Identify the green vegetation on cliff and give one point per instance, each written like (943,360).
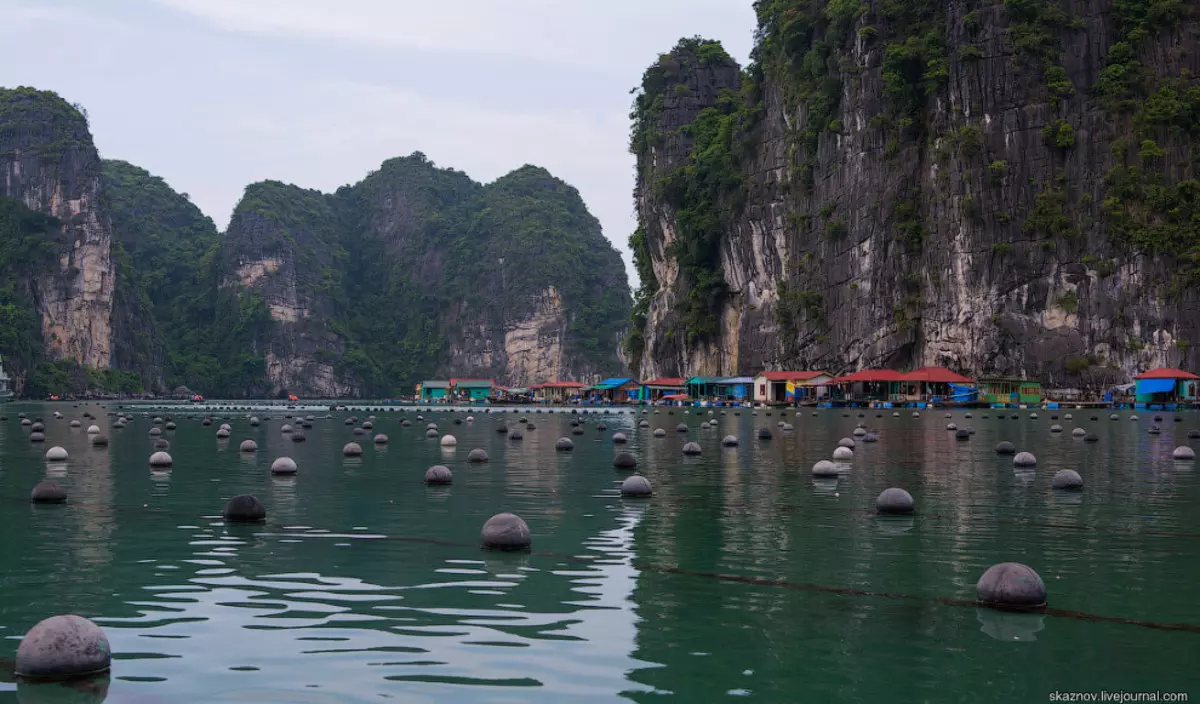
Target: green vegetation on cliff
(29,246)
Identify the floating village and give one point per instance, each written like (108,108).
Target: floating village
(927,387)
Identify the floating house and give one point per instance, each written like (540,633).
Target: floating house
(656,389)
(789,387)
(433,390)
(1166,385)
(867,385)
(556,391)
(614,390)
(936,384)
(1011,391)
(704,387)
(471,389)
(734,389)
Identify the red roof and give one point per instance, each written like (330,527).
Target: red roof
(559,385)
(665,381)
(676,397)
(936,375)
(868,375)
(1166,373)
(791,376)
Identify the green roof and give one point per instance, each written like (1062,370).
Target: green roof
(702,380)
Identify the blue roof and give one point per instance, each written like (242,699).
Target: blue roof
(1155,386)
(698,380)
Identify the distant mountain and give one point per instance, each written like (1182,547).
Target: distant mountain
(120,283)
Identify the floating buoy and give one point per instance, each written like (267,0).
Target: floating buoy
(846,442)
(56,454)
(1184,452)
(99,440)
(438,475)
(692,448)
(1011,585)
(564,445)
(619,439)
(160,459)
(894,501)
(506,531)
(283,465)
(1006,448)
(825,469)
(245,508)
(660,433)
(636,486)
(477,455)
(843,453)
(1067,479)
(729,441)
(764,433)
(63,647)
(625,460)
(1025,459)
(248,446)
(352,449)
(48,492)
(380,439)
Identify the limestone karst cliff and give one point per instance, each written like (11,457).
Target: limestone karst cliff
(114,282)
(999,187)
(49,164)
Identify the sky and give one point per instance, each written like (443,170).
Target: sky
(213,95)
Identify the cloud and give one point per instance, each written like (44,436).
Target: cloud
(215,94)
(582,33)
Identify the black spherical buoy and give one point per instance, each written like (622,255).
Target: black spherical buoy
(352,449)
(894,500)
(564,445)
(729,441)
(48,492)
(1067,479)
(764,433)
(160,460)
(99,441)
(37,437)
(245,508)
(619,439)
(636,486)
(577,431)
(1011,585)
(660,433)
(962,434)
(63,647)
(516,434)
(505,531)
(692,448)
(298,436)
(681,428)
(1006,448)
(438,475)
(477,455)
(625,460)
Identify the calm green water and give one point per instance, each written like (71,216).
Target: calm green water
(366,585)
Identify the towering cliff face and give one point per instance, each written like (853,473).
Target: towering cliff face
(995,187)
(48,163)
(279,254)
(418,272)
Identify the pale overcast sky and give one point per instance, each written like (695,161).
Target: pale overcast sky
(213,95)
